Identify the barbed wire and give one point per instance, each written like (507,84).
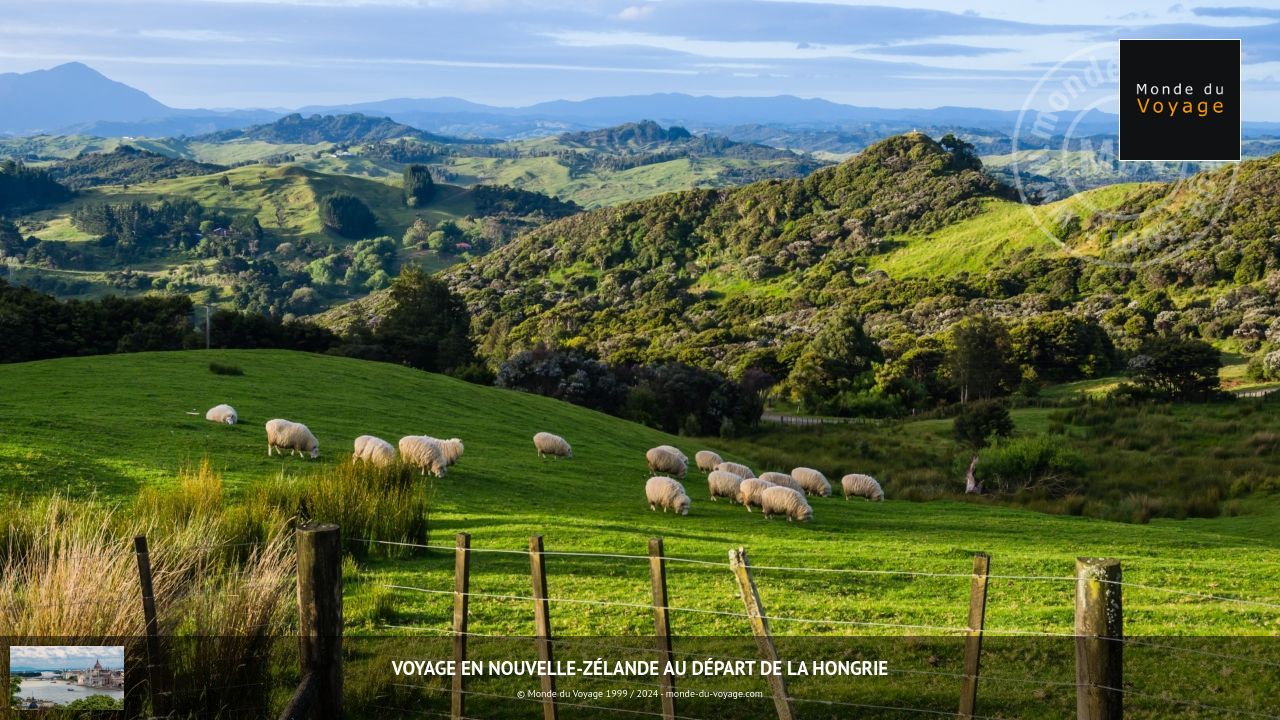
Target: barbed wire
(900,708)
(559,553)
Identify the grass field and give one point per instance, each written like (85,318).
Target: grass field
(105,427)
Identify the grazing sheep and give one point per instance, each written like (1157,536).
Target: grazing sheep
(785,501)
(666,459)
(295,437)
(738,469)
(863,486)
(783,479)
(452,450)
(424,453)
(723,484)
(552,445)
(373,450)
(749,492)
(707,460)
(813,482)
(222,414)
(668,494)
(677,451)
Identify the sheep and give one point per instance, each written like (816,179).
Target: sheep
(295,437)
(424,453)
(707,460)
(863,486)
(813,482)
(222,414)
(738,469)
(373,450)
(452,450)
(663,459)
(666,493)
(785,501)
(783,479)
(676,451)
(749,491)
(552,445)
(723,484)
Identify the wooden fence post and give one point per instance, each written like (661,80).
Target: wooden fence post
(760,627)
(158,688)
(1099,640)
(973,635)
(542,626)
(662,626)
(461,586)
(320,619)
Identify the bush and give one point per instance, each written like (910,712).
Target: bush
(220,369)
(1035,463)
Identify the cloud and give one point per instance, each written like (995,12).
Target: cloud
(1238,11)
(635,12)
(937,50)
(58,657)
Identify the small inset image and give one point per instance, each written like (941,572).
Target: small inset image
(68,677)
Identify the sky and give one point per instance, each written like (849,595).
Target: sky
(903,53)
(65,657)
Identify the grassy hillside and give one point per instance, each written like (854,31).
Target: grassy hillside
(106,426)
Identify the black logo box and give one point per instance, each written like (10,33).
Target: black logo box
(1185,65)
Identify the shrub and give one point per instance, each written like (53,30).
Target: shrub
(220,369)
(1033,463)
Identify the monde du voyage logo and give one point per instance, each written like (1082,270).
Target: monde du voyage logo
(1179,100)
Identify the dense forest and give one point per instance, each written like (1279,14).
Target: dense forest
(127,165)
(25,189)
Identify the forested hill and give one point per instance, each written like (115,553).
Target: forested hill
(127,165)
(650,139)
(902,242)
(349,128)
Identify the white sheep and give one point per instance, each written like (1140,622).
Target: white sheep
(723,484)
(813,482)
(553,445)
(295,437)
(452,450)
(373,450)
(222,414)
(785,501)
(863,486)
(424,453)
(666,493)
(783,479)
(666,459)
(738,469)
(707,460)
(749,492)
(677,451)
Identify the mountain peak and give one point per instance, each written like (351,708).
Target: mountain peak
(70,94)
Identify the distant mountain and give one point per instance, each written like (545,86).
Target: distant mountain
(67,95)
(348,128)
(188,122)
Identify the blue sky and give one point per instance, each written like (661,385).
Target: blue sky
(909,53)
(64,657)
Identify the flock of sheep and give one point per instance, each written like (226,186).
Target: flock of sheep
(775,493)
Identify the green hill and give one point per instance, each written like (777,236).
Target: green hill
(125,165)
(348,128)
(106,426)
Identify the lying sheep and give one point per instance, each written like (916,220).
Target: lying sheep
(707,460)
(373,450)
(295,437)
(783,479)
(452,450)
(813,482)
(749,492)
(723,484)
(738,469)
(666,459)
(222,414)
(785,501)
(424,453)
(663,492)
(552,445)
(863,486)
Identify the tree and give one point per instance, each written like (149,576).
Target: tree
(418,186)
(347,215)
(94,706)
(839,353)
(974,427)
(1174,368)
(428,326)
(980,358)
(15,684)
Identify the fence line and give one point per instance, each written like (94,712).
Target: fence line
(899,708)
